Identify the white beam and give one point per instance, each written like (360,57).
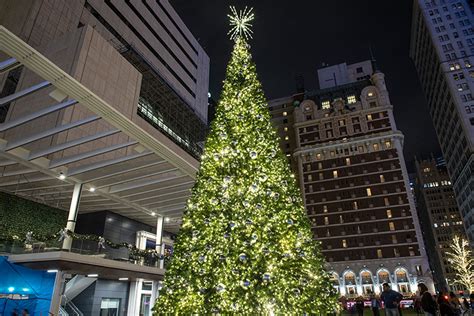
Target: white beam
(122,188)
(37,114)
(32,138)
(67,160)
(113,174)
(160,201)
(9,64)
(158,189)
(72,143)
(25,180)
(17,172)
(130,179)
(43,187)
(105,163)
(161,195)
(24,92)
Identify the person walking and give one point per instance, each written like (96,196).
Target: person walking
(445,308)
(391,299)
(455,303)
(465,306)
(375,305)
(427,302)
(360,306)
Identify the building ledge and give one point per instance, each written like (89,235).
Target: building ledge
(87,264)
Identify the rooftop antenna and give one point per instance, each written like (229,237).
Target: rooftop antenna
(373,60)
(299,79)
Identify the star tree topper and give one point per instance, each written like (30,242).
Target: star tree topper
(240,23)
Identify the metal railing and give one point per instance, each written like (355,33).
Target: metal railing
(62,312)
(83,247)
(70,307)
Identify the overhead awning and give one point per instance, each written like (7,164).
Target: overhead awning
(140,178)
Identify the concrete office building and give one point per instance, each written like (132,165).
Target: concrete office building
(442,46)
(439,216)
(350,165)
(103,110)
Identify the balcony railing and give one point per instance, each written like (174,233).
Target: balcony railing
(83,247)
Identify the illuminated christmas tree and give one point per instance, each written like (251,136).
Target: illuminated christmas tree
(245,246)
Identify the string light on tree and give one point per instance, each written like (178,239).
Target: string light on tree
(462,261)
(245,246)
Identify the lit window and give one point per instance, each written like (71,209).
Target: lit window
(334,173)
(394,239)
(333,154)
(355,205)
(326,105)
(376,146)
(351,99)
(341,220)
(348,161)
(389,213)
(426,170)
(388,144)
(382,178)
(391,225)
(411,252)
(379,253)
(370,94)
(318,156)
(342,122)
(321,176)
(395,252)
(285,129)
(285,113)
(344,243)
(369,117)
(386,201)
(369,192)
(325,209)
(287,137)
(326,220)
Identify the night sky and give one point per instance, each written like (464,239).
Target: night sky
(296,37)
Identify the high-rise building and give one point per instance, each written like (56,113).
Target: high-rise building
(442,48)
(349,161)
(439,216)
(103,111)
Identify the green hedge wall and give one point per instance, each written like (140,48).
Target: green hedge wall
(18,216)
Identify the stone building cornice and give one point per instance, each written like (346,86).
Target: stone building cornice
(341,116)
(341,144)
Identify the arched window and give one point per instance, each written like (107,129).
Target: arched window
(367,282)
(350,284)
(402,280)
(335,281)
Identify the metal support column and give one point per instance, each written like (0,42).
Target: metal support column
(72,217)
(160,248)
(57,293)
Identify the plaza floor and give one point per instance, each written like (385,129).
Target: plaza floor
(368,312)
